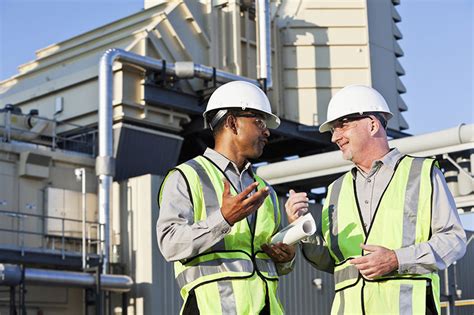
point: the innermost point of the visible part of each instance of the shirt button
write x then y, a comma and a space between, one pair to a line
225, 230
369, 180
366, 202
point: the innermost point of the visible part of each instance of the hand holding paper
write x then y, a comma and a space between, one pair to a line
296, 205
303, 227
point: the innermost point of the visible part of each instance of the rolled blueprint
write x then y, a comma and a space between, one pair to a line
303, 227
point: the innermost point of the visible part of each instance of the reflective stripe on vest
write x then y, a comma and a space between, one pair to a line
227, 266
213, 267
235, 256
409, 191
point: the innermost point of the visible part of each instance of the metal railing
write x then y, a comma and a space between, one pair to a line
53, 133
61, 241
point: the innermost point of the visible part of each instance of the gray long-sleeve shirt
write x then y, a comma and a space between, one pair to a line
179, 237
448, 240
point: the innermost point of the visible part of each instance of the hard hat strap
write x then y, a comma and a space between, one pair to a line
217, 117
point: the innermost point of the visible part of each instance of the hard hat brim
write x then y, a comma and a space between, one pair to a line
273, 122
326, 126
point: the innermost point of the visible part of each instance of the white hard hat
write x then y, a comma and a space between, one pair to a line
354, 99
241, 95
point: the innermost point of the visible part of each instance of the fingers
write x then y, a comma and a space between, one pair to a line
279, 252
297, 198
258, 197
370, 273
226, 188
359, 260
377, 262
369, 248
248, 190
296, 205
364, 266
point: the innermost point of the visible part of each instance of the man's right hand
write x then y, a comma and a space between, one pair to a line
235, 208
296, 205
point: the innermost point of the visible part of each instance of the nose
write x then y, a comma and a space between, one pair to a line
336, 135
266, 132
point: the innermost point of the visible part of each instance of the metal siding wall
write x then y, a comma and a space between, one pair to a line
168, 299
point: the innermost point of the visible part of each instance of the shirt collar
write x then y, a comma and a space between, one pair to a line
224, 163
389, 160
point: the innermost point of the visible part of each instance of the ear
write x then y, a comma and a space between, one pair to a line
374, 126
231, 123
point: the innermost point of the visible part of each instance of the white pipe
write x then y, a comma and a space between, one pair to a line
264, 41
332, 162
11, 275
84, 200
105, 162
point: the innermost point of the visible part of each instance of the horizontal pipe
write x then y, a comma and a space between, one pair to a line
207, 73
332, 162
11, 275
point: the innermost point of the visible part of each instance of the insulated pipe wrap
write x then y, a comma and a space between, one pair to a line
184, 69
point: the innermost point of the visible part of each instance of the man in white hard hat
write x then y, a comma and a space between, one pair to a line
217, 217
388, 224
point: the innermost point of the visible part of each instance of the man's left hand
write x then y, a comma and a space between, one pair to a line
279, 252
377, 262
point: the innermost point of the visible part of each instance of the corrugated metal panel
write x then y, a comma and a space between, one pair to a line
298, 294
155, 290
167, 297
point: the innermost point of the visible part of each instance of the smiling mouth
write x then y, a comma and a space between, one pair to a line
343, 145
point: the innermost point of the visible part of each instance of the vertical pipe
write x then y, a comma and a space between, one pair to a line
7, 121
12, 301
124, 303
105, 161
451, 291
98, 294
63, 244
264, 41
83, 178
22, 292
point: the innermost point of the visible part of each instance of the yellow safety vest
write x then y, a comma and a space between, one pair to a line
402, 219
234, 276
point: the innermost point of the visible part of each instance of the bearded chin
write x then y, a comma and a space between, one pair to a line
347, 155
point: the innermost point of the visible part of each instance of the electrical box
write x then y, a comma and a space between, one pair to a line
64, 213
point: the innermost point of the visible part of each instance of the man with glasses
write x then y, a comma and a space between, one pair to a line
389, 224
217, 217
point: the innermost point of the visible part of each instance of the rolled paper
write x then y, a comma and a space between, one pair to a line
301, 228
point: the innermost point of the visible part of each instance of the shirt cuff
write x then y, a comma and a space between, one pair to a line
218, 224
404, 261
286, 267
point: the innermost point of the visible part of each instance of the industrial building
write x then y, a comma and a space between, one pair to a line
90, 127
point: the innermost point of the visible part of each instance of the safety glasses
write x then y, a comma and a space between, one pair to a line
260, 122
346, 123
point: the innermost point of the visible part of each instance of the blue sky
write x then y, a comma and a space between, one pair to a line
437, 41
